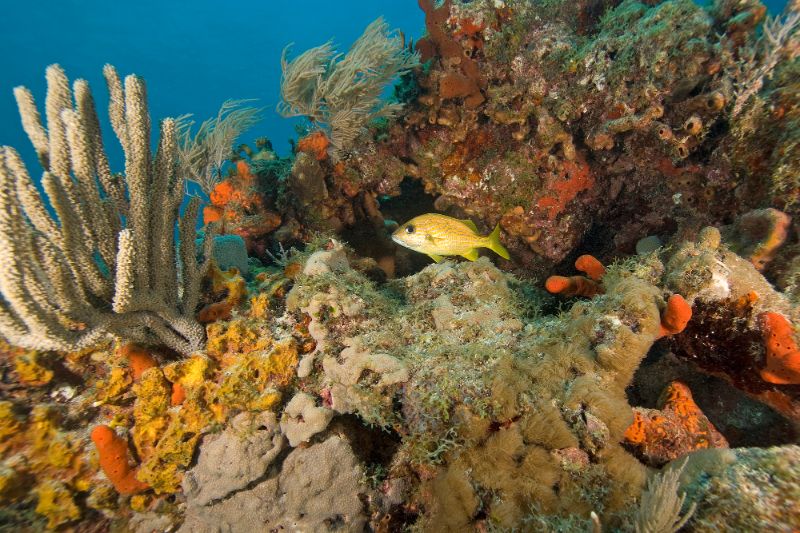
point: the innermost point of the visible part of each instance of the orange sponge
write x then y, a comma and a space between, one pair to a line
579, 285
591, 266
676, 316
783, 357
138, 358
572, 286
677, 428
178, 394
316, 144
113, 452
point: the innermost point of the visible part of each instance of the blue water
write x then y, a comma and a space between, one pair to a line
194, 55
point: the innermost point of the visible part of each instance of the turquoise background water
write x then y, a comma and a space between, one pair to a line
194, 55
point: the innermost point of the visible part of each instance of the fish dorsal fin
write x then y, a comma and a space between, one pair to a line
472, 255
436, 258
470, 224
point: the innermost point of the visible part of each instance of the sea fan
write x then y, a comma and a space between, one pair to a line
339, 93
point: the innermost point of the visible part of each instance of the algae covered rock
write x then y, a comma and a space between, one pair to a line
744, 489
499, 412
56, 503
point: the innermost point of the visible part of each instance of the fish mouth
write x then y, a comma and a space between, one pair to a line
397, 240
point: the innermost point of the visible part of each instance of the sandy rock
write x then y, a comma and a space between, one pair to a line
317, 490
231, 460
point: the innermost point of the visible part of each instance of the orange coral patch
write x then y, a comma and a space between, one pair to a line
678, 427
746, 302
466, 27
316, 144
636, 432
782, 357
579, 285
113, 452
578, 179
222, 194
211, 214
243, 172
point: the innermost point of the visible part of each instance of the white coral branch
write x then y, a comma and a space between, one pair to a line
105, 266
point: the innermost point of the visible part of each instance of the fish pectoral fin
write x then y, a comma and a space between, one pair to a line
436, 258
470, 224
431, 239
472, 255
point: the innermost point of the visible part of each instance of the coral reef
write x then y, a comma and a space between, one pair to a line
302, 372
560, 123
494, 414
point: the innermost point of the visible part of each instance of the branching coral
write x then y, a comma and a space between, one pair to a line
202, 156
757, 62
108, 265
661, 508
343, 93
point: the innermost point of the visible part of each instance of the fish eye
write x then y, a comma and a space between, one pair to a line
409, 229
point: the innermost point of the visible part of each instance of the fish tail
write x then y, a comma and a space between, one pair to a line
495, 245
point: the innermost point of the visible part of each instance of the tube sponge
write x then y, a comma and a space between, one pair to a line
783, 356
113, 452
676, 316
579, 285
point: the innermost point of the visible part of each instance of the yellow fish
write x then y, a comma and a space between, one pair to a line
439, 235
